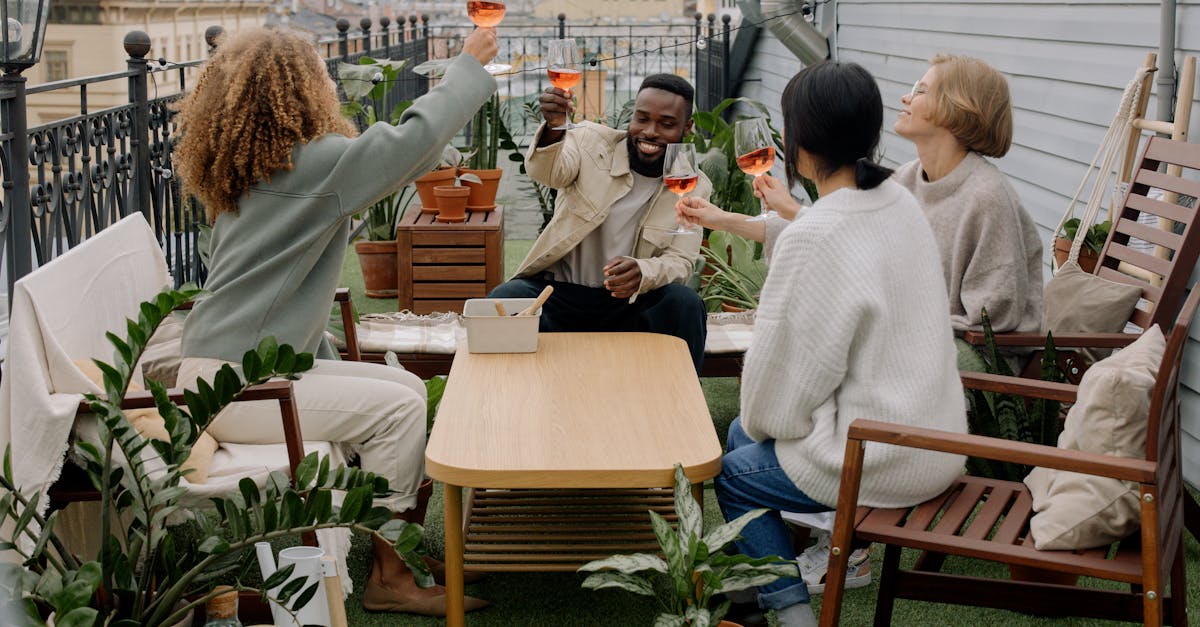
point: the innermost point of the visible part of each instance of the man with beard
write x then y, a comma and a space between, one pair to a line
609, 251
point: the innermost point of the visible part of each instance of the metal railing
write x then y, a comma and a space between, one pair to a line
93, 168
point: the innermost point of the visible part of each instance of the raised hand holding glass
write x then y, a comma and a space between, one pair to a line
680, 175
486, 14
756, 151
564, 66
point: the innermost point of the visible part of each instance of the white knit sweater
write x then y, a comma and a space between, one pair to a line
853, 323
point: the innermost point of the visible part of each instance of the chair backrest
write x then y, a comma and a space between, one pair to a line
1163, 281
1163, 432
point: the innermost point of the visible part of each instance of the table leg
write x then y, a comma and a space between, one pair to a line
454, 556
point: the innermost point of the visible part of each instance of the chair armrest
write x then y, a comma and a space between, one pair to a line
1137, 470
1063, 392
342, 297
271, 390
1061, 340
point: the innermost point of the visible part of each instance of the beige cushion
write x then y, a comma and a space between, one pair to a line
1079, 302
150, 424
1078, 511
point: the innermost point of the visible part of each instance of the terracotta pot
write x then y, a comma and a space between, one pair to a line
728, 623
452, 203
425, 185
1041, 575
378, 263
728, 308
483, 196
1087, 258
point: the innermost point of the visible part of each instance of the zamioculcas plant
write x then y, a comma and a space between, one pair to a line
142, 575
693, 567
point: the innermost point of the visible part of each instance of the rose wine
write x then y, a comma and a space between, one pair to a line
563, 78
757, 162
484, 13
680, 185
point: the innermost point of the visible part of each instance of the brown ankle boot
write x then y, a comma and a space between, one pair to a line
438, 568
417, 513
380, 598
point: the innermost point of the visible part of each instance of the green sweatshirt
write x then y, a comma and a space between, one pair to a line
276, 263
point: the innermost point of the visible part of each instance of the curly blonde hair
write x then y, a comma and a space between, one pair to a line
263, 92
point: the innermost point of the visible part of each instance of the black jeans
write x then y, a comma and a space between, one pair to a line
671, 310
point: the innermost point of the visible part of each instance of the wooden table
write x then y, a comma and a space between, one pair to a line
439, 265
565, 447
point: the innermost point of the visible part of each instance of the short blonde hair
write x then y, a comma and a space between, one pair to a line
971, 100
261, 94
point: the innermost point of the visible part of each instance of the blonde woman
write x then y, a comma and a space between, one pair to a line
280, 172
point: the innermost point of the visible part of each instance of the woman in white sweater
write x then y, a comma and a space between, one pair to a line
853, 323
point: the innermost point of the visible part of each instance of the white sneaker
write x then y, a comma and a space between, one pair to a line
814, 562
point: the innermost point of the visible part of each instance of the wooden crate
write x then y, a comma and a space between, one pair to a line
440, 265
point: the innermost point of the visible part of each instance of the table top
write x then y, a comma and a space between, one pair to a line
587, 410
413, 219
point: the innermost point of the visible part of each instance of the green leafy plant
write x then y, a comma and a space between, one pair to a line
738, 271
489, 135
366, 84
141, 575
695, 565
1095, 238
1009, 416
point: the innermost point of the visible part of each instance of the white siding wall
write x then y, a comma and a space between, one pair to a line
1066, 64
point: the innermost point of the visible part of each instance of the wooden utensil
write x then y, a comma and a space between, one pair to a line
541, 300
500, 311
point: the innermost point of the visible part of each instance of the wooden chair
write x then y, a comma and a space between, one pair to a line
989, 519
1163, 281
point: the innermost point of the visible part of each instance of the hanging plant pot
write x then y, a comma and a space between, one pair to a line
483, 195
452, 203
378, 263
430, 180
1087, 256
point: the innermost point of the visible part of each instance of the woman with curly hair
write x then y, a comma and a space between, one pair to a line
263, 146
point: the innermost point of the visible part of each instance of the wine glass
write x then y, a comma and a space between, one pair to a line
564, 66
679, 176
485, 14
756, 152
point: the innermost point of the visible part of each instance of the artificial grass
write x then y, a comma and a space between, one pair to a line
555, 599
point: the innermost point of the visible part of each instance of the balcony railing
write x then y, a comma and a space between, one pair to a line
91, 169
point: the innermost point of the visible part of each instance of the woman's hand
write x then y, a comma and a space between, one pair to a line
775, 195
691, 211
481, 44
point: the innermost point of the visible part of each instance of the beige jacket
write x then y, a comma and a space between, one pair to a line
590, 169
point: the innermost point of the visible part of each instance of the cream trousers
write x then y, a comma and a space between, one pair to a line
376, 411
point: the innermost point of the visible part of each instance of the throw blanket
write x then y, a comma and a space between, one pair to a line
60, 313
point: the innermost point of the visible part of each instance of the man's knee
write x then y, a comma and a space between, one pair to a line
517, 288
682, 298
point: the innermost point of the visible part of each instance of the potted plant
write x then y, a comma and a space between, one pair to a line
443, 174
738, 272
696, 566
143, 575
366, 84
489, 134
1093, 243
452, 199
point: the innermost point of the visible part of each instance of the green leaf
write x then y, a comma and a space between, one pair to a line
78, 617
75, 594
728, 532
304, 597
290, 588
306, 470
278, 577
629, 564
8, 463
352, 504
214, 545
691, 519
268, 350
619, 580
669, 620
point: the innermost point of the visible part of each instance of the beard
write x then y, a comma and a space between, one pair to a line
637, 163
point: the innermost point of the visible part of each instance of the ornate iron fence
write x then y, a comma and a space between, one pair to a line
91, 169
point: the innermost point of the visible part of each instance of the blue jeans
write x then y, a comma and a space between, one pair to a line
750, 479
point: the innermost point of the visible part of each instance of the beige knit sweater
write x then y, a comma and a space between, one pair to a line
853, 323
990, 246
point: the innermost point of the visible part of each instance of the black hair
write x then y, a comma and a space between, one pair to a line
833, 111
674, 84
